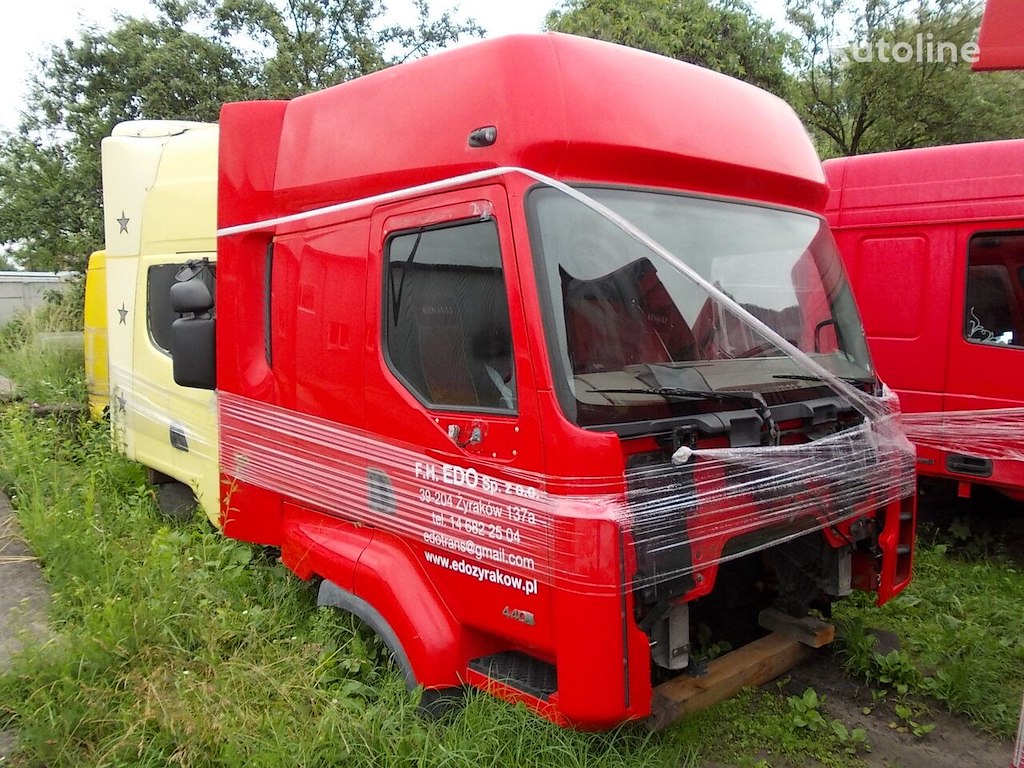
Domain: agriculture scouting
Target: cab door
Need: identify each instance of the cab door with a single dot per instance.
(986, 357)
(986, 360)
(175, 427)
(452, 395)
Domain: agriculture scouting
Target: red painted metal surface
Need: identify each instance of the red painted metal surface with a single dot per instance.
(1001, 39)
(312, 419)
(669, 125)
(904, 222)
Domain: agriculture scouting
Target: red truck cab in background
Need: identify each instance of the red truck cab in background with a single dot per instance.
(933, 241)
(454, 394)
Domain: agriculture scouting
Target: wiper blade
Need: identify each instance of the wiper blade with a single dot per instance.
(689, 394)
(809, 377)
(746, 398)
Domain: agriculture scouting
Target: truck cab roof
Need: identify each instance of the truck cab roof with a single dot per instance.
(963, 182)
(572, 108)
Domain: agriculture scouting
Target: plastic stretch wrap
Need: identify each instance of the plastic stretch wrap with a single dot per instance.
(509, 521)
(153, 410)
(991, 434)
(170, 429)
(494, 523)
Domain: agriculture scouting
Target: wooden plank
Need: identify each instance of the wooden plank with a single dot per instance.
(58, 409)
(753, 664)
(806, 629)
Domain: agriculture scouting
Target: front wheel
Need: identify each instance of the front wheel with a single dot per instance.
(175, 501)
(434, 703)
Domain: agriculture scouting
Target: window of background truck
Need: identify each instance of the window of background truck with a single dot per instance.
(995, 289)
(159, 314)
(446, 322)
(621, 317)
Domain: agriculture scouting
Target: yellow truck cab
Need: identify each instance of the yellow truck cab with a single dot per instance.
(97, 376)
(159, 200)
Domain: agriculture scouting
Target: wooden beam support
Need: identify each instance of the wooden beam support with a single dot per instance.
(753, 664)
(808, 630)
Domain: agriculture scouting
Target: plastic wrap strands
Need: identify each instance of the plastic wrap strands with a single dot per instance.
(729, 493)
(142, 406)
(509, 520)
(495, 523)
(169, 429)
(994, 434)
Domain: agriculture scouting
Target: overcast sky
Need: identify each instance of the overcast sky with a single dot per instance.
(24, 36)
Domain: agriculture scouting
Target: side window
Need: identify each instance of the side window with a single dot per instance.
(158, 303)
(446, 325)
(159, 314)
(995, 268)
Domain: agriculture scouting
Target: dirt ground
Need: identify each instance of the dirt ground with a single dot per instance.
(952, 744)
(995, 522)
(23, 600)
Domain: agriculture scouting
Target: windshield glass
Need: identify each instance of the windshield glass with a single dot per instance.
(620, 317)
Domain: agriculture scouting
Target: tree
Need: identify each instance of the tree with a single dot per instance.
(194, 56)
(300, 46)
(50, 209)
(872, 76)
(49, 170)
(723, 35)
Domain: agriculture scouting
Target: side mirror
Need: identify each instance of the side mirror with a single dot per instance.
(193, 352)
(191, 296)
(193, 338)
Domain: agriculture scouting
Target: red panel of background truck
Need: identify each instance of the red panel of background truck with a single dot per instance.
(933, 241)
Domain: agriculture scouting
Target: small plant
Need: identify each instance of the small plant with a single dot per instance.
(972, 544)
(805, 713)
(897, 670)
(909, 716)
(805, 710)
(853, 740)
(706, 647)
(878, 695)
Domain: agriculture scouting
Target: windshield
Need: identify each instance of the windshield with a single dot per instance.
(621, 317)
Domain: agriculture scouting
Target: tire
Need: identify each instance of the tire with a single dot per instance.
(175, 501)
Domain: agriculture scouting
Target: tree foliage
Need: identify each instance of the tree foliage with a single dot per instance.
(300, 46)
(183, 64)
(724, 35)
(856, 97)
(193, 55)
(50, 212)
(50, 209)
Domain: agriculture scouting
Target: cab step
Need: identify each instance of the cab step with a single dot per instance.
(521, 671)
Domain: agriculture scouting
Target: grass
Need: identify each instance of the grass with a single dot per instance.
(761, 727)
(962, 633)
(174, 645)
(46, 366)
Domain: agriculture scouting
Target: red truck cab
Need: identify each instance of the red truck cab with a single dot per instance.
(933, 241)
(497, 417)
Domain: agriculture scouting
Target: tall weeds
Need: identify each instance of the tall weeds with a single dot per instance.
(176, 646)
(42, 350)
